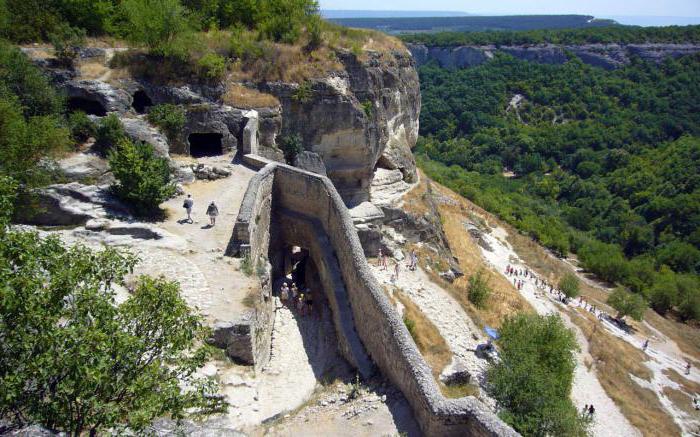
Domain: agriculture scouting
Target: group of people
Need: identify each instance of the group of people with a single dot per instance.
(212, 210)
(384, 264)
(588, 410)
(525, 274)
(302, 302)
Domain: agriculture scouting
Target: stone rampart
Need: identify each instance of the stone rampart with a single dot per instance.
(298, 197)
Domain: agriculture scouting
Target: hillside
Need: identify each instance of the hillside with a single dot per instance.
(601, 163)
(473, 23)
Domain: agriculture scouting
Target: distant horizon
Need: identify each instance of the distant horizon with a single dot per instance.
(634, 20)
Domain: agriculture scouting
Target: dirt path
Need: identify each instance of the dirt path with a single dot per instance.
(609, 421)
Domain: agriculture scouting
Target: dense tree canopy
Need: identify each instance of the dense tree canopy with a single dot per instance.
(589, 35)
(604, 163)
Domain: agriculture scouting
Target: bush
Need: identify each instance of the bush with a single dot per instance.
(143, 180)
(211, 66)
(569, 285)
(66, 41)
(478, 289)
(170, 118)
(158, 24)
(291, 146)
(110, 131)
(81, 127)
(75, 360)
(532, 381)
(303, 93)
(627, 304)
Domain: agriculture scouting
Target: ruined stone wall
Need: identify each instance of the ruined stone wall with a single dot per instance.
(312, 198)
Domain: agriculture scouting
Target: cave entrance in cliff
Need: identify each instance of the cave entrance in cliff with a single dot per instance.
(141, 102)
(88, 106)
(209, 144)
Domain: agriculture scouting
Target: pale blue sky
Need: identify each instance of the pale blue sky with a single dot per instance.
(599, 8)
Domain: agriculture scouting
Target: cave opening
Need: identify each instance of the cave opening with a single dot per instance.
(141, 101)
(205, 144)
(88, 106)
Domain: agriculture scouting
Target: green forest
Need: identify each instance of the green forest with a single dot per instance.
(586, 35)
(605, 164)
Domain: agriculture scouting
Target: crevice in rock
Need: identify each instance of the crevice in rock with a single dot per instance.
(141, 102)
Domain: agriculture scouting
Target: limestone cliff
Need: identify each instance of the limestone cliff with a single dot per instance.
(359, 117)
(608, 56)
(363, 117)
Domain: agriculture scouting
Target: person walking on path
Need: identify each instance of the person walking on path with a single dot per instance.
(212, 212)
(645, 345)
(591, 410)
(687, 368)
(188, 204)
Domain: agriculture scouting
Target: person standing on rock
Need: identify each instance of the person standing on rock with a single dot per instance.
(212, 212)
(397, 268)
(188, 204)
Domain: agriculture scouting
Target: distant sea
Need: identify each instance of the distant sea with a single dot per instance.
(654, 21)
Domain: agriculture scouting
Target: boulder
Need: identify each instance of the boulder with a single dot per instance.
(86, 166)
(235, 338)
(138, 129)
(210, 172)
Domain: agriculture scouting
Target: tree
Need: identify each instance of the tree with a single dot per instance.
(569, 285)
(627, 304)
(74, 359)
(291, 146)
(109, 132)
(478, 289)
(157, 24)
(170, 118)
(66, 41)
(143, 179)
(532, 381)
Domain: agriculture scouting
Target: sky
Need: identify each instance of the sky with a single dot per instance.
(598, 8)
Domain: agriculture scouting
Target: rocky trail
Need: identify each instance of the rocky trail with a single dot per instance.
(455, 326)
(609, 421)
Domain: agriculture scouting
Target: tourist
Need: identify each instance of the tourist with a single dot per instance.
(696, 403)
(585, 409)
(188, 204)
(645, 345)
(397, 268)
(687, 368)
(300, 304)
(284, 293)
(380, 258)
(309, 302)
(295, 291)
(591, 410)
(212, 212)
(413, 260)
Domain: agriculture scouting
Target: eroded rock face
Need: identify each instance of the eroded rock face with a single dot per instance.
(608, 56)
(355, 119)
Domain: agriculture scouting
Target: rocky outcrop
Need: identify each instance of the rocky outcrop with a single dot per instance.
(356, 119)
(608, 56)
(310, 161)
(138, 129)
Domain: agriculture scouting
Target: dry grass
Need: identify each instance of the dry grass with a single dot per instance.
(615, 360)
(688, 385)
(241, 96)
(426, 335)
(681, 400)
(92, 69)
(454, 212)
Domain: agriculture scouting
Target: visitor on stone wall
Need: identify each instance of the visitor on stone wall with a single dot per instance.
(397, 268)
(187, 204)
(295, 291)
(212, 212)
(300, 304)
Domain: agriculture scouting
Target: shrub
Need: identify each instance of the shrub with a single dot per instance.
(303, 93)
(410, 326)
(291, 146)
(75, 360)
(532, 381)
(170, 118)
(211, 66)
(569, 285)
(367, 107)
(627, 304)
(66, 41)
(81, 127)
(110, 131)
(478, 289)
(247, 265)
(143, 180)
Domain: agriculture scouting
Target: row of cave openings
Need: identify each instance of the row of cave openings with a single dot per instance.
(201, 144)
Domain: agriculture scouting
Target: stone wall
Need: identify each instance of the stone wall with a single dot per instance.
(304, 203)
